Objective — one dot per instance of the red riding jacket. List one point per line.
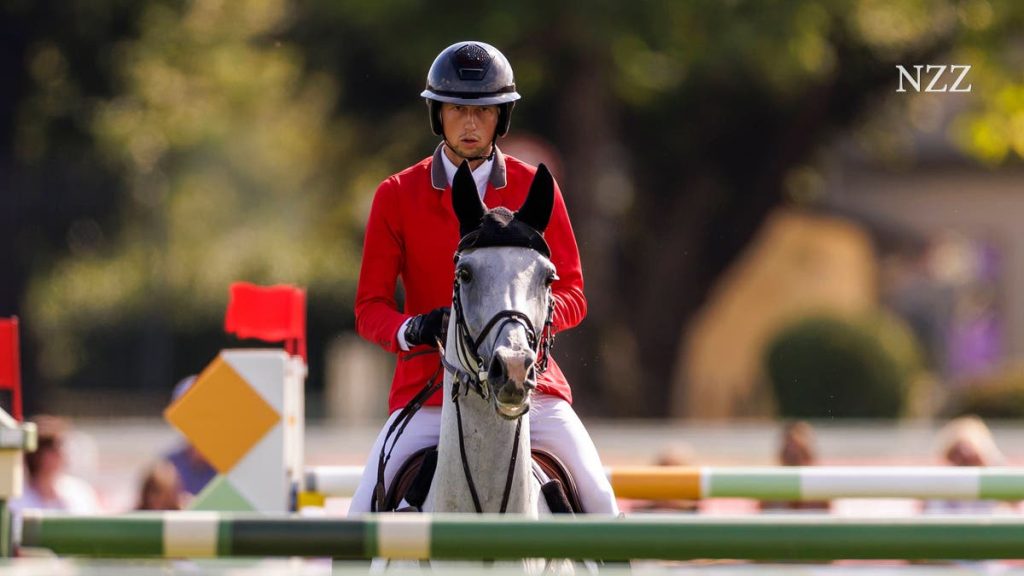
(412, 233)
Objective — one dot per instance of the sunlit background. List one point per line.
(768, 228)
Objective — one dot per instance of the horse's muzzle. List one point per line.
(511, 378)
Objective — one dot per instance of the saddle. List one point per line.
(412, 483)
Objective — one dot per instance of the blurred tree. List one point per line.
(233, 169)
(56, 197)
(760, 90)
(682, 126)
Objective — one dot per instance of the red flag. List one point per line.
(10, 368)
(271, 313)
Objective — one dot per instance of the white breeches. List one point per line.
(554, 427)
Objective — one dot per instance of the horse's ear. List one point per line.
(466, 200)
(536, 210)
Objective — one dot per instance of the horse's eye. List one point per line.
(464, 275)
(550, 279)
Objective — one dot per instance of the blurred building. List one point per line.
(902, 219)
(948, 236)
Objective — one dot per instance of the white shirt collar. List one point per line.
(481, 175)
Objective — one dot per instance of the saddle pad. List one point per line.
(555, 470)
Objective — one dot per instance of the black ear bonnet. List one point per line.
(481, 228)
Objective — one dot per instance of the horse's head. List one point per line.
(502, 302)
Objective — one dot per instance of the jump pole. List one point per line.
(422, 536)
(763, 483)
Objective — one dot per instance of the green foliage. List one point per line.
(236, 171)
(245, 139)
(999, 395)
(831, 367)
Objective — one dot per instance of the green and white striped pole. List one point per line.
(422, 536)
(765, 483)
(811, 483)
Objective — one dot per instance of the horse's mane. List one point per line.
(499, 227)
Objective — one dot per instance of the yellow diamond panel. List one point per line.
(222, 416)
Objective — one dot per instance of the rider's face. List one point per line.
(469, 130)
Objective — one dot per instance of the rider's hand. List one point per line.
(427, 328)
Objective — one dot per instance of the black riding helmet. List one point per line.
(473, 74)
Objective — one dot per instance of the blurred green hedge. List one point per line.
(826, 366)
(999, 395)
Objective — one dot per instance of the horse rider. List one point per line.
(412, 233)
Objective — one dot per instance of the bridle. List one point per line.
(471, 373)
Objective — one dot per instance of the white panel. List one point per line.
(294, 418)
(260, 475)
(11, 474)
(191, 534)
(264, 370)
(920, 482)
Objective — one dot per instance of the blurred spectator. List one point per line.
(48, 486)
(161, 488)
(967, 441)
(797, 447)
(193, 470)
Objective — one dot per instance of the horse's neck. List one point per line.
(489, 439)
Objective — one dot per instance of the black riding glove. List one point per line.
(427, 328)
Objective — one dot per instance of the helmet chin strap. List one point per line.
(494, 147)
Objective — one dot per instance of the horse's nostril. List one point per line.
(496, 371)
(531, 375)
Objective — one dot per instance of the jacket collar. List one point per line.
(439, 180)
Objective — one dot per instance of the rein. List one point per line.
(471, 374)
(397, 427)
